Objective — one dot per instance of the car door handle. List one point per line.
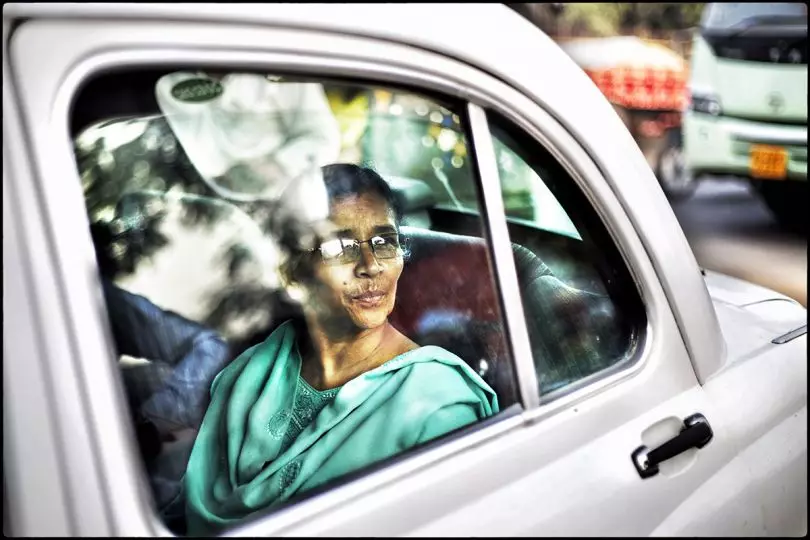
(695, 433)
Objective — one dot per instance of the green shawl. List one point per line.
(239, 464)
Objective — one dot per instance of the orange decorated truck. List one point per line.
(647, 84)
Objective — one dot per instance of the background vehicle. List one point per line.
(748, 111)
(646, 83)
(568, 455)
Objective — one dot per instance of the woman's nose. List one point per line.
(368, 265)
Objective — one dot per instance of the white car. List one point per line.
(639, 395)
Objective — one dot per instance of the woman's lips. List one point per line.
(369, 299)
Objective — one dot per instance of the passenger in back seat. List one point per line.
(340, 389)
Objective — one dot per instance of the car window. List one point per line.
(583, 312)
(296, 279)
(430, 145)
(723, 16)
(526, 197)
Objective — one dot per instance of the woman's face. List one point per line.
(360, 292)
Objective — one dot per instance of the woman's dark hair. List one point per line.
(345, 179)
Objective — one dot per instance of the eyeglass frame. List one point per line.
(333, 262)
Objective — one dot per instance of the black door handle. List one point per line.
(696, 433)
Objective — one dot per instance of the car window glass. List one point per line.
(583, 312)
(720, 16)
(255, 236)
(526, 196)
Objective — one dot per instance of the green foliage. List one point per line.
(599, 19)
(610, 19)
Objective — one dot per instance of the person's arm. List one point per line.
(571, 330)
(183, 398)
(141, 329)
(197, 354)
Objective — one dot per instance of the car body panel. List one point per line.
(28, 425)
(749, 334)
(738, 292)
(772, 92)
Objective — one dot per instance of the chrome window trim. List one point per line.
(790, 336)
(500, 246)
(395, 64)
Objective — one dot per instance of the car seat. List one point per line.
(446, 297)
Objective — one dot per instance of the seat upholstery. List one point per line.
(573, 333)
(446, 296)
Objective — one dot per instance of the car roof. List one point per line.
(513, 49)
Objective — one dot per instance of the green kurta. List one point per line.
(268, 435)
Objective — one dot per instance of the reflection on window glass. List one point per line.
(403, 135)
(526, 197)
(296, 279)
(576, 329)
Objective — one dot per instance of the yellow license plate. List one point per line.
(768, 162)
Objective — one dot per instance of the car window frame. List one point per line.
(391, 72)
(605, 260)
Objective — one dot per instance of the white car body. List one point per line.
(561, 467)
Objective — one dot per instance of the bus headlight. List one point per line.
(705, 103)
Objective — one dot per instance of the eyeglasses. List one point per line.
(347, 250)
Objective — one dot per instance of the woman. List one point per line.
(316, 401)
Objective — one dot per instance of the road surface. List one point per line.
(731, 231)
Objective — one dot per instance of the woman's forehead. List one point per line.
(361, 212)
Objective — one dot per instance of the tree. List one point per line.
(544, 16)
(610, 19)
